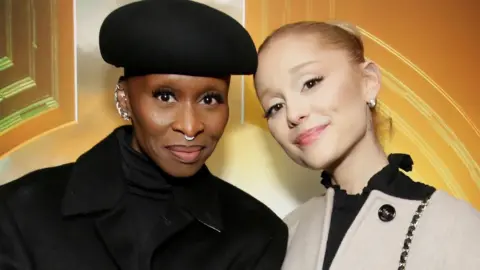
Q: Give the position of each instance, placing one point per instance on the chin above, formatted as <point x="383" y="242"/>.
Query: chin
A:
<point x="316" y="163"/>
<point x="314" y="158"/>
<point x="178" y="169"/>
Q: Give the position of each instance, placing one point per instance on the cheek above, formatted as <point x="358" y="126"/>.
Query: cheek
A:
<point x="216" y="120"/>
<point x="160" y="118"/>
<point x="148" y="113"/>
<point x="346" y="110"/>
<point x="349" y="104"/>
<point x="280" y="132"/>
<point x="350" y="114"/>
<point x="274" y="125"/>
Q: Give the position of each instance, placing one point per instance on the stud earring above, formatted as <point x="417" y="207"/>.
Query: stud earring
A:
<point x="372" y="103"/>
<point x="120" y="110"/>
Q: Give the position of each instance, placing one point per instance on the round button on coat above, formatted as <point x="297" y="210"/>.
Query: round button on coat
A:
<point x="386" y="213"/>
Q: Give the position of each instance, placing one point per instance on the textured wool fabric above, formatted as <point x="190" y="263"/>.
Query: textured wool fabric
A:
<point x="447" y="236"/>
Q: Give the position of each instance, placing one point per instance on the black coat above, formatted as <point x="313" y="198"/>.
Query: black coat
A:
<point x="61" y="218"/>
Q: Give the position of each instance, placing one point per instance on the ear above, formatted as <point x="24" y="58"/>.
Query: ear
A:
<point x="371" y="80"/>
<point x="122" y="96"/>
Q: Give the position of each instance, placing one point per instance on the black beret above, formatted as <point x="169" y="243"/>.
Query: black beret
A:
<point x="176" y="37"/>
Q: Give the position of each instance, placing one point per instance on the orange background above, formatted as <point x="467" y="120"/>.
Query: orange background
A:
<point x="427" y="51"/>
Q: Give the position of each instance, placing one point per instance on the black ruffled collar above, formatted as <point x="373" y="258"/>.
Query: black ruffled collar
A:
<point x="389" y="180"/>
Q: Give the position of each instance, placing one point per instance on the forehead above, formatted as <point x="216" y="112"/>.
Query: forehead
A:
<point x="288" y="56"/>
<point x="180" y="82"/>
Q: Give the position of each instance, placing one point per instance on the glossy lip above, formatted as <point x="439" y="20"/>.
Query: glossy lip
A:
<point x="187" y="154"/>
<point x="309" y="136"/>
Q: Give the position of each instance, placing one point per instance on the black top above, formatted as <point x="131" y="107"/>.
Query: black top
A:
<point x="389" y="180"/>
<point x="114" y="209"/>
<point x="150" y="193"/>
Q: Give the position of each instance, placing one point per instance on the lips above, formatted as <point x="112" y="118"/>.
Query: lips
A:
<point x="309" y="136"/>
<point x="186" y="154"/>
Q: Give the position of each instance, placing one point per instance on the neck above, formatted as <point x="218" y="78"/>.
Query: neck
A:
<point x="363" y="161"/>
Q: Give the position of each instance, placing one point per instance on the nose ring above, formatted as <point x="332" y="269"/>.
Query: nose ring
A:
<point x="189" y="138"/>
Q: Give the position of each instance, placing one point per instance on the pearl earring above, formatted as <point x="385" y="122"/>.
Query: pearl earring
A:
<point x="371" y="103"/>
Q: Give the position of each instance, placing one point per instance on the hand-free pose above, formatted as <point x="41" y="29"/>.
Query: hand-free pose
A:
<point x="143" y="198"/>
<point x="319" y="94"/>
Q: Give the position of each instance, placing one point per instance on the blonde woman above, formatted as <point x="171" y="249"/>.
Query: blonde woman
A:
<point x="319" y="94"/>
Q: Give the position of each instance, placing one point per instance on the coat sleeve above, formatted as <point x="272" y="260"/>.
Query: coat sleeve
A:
<point x="263" y="253"/>
<point x="274" y="251"/>
<point x="13" y="255"/>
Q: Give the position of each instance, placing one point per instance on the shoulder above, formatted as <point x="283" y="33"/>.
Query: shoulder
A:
<point x="36" y="186"/>
<point x="455" y="208"/>
<point x="247" y="209"/>
<point x="457" y="222"/>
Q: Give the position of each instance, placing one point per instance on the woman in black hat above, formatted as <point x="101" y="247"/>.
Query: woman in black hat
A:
<point x="143" y="198"/>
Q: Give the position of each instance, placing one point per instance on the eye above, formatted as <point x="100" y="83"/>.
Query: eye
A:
<point x="212" y="99"/>
<point x="312" y="82"/>
<point x="164" y="95"/>
<point x="272" y="110"/>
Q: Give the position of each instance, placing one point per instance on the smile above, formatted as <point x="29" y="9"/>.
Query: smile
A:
<point x="309" y="136"/>
<point x="186" y="154"/>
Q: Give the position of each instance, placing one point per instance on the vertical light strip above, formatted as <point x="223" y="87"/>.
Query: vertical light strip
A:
<point x="75" y="76"/>
<point x="308" y="12"/>
<point x="286" y="12"/>
<point x="32" y="35"/>
<point x="9" y="17"/>
<point x="54" y="48"/>
<point x="331" y="9"/>
<point x="242" y="78"/>
<point x="264" y="18"/>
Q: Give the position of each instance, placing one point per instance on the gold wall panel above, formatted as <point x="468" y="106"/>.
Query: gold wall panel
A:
<point x="428" y="55"/>
<point x="244" y="157"/>
<point x="97" y="116"/>
<point x="419" y="71"/>
<point x="37" y="86"/>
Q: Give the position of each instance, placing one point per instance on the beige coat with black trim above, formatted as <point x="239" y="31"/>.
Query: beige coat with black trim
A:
<point x="447" y="235"/>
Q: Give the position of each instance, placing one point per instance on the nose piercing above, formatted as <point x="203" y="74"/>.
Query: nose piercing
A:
<point x="188" y="138"/>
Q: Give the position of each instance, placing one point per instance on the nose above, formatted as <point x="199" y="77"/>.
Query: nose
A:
<point x="296" y="114"/>
<point x="188" y="122"/>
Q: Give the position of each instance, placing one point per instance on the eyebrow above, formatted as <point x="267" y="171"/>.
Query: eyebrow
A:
<point x="301" y="65"/>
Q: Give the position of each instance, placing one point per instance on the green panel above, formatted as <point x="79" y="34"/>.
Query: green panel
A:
<point x="16" y="87"/>
<point x="26" y="113"/>
<point x="5" y="63"/>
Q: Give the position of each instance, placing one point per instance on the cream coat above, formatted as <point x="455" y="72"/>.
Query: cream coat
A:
<point x="447" y="235"/>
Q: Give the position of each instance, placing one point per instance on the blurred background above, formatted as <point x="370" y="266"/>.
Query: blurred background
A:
<point x="56" y="93"/>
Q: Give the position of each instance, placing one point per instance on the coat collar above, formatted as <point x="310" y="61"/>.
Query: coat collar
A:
<point x="97" y="184"/>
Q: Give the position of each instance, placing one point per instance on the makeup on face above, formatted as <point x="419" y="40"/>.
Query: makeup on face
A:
<point x="167" y="109"/>
<point x="312" y="99"/>
<point x="309" y="136"/>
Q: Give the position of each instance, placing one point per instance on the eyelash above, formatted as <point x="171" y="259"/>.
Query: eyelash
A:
<point x="213" y="95"/>
<point x="272" y="110"/>
<point x="308" y="85"/>
<point x="312" y="82"/>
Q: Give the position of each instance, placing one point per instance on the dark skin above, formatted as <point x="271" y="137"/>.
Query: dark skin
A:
<point x="165" y="108"/>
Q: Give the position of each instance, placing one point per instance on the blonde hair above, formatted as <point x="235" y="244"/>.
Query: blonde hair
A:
<point x="339" y="35"/>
